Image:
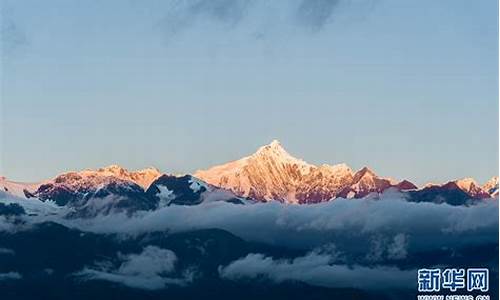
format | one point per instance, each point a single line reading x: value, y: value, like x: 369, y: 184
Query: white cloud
x: 386, y: 247
x: 146, y: 270
x: 398, y: 248
x: 6, y: 224
x: 6, y: 251
x: 10, y: 275
x: 317, y: 269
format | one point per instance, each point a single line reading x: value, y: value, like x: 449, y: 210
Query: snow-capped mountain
x: 464, y: 191
x: 491, y: 186
x: 114, y: 189
x: 324, y: 183
x: 364, y: 182
x: 18, y: 189
x: 472, y: 188
x: 449, y: 193
x: 92, y: 193
x: 142, y: 177
x: 272, y: 173
x: 461, y: 190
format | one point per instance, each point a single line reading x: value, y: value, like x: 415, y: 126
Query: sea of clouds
x: 345, y: 242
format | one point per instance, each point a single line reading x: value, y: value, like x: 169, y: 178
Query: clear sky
x: 409, y: 88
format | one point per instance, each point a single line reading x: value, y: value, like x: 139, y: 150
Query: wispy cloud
x: 226, y: 11
x: 13, y: 38
x: 315, y: 14
x: 254, y: 18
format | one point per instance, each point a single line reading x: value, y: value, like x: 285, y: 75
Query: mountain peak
x: 492, y: 182
x: 275, y: 143
x: 466, y: 183
x: 491, y: 186
x: 113, y: 169
x: 471, y: 187
x: 276, y: 153
x: 365, y: 171
x: 113, y: 166
x: 274, y: 146
x: 150, y: 170
x: 142, y: 177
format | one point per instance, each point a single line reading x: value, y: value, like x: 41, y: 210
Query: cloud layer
x: 357, y: 243
x: 390, y: 227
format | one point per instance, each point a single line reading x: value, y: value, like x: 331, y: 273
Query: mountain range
x: 269, y: 174
x: 111, y: 232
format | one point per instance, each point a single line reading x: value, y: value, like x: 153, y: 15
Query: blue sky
x: 408, y: 88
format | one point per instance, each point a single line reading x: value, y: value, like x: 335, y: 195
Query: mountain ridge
x: 269, y: 174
